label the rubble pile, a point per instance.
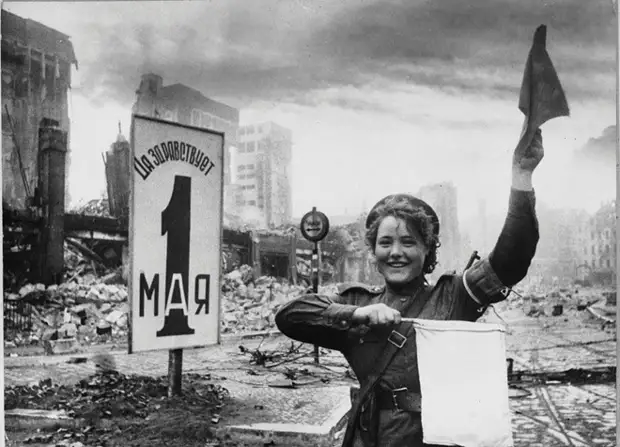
(87, 311)
(558, 301)
(87, 265)
(560, 304)
(95, 207)
(250, 304)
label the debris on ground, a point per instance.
(137, 409)
(250, 304)
(260, 357)
(296, 364)
(574, 376)
(556, 302)
(536, 311)
(110, 394)
(73, 310)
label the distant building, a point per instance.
(262, 169)
(36, 77)
(575, 245)
(599, 252)
(443, 198)
(118, 166)
(183, 104)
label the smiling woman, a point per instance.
(420, 231)
(402, 232)
(400, 251)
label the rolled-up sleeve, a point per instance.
(489, 280)
(317, 319)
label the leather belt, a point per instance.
(399, 399)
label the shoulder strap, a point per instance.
(394, 342)
(343, 288)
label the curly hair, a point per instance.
(415, 218)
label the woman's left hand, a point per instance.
(528, 159)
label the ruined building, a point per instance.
(599, 256)
(36, 76)
(118, 165)
(262, 168)
(183, 104)
(574, 246)
(257, 171)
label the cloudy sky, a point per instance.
(381, 96)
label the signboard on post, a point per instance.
(314, 227)
(175, 235)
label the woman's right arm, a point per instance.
(325, 320)
(317, 319)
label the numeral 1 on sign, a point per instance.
(175, 223)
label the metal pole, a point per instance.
(175, 368)
(315, 286)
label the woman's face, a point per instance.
(400, 251)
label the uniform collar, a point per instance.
(408, 292)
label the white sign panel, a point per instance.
(175, 235)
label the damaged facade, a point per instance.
(599, 256)
(575, 246)
(183, 104)
(257, 169)
(36, 77)
(118, 166)
(261, 166)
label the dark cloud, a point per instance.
(452, 29)
(457, 37)
(276, 50)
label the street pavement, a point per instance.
(555, 414)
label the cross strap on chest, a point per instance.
(394, 343)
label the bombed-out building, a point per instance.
(599, 256)
(36, 77)
(183, 104)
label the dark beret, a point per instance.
(409, 202)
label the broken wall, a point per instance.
(36, 76)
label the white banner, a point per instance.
(175, 235)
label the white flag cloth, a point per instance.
(464, 383)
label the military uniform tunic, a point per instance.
(327, 320)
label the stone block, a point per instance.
(62, 346)
(68, 330)
(114, 316)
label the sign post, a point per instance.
(175, 235)
(314, 227)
